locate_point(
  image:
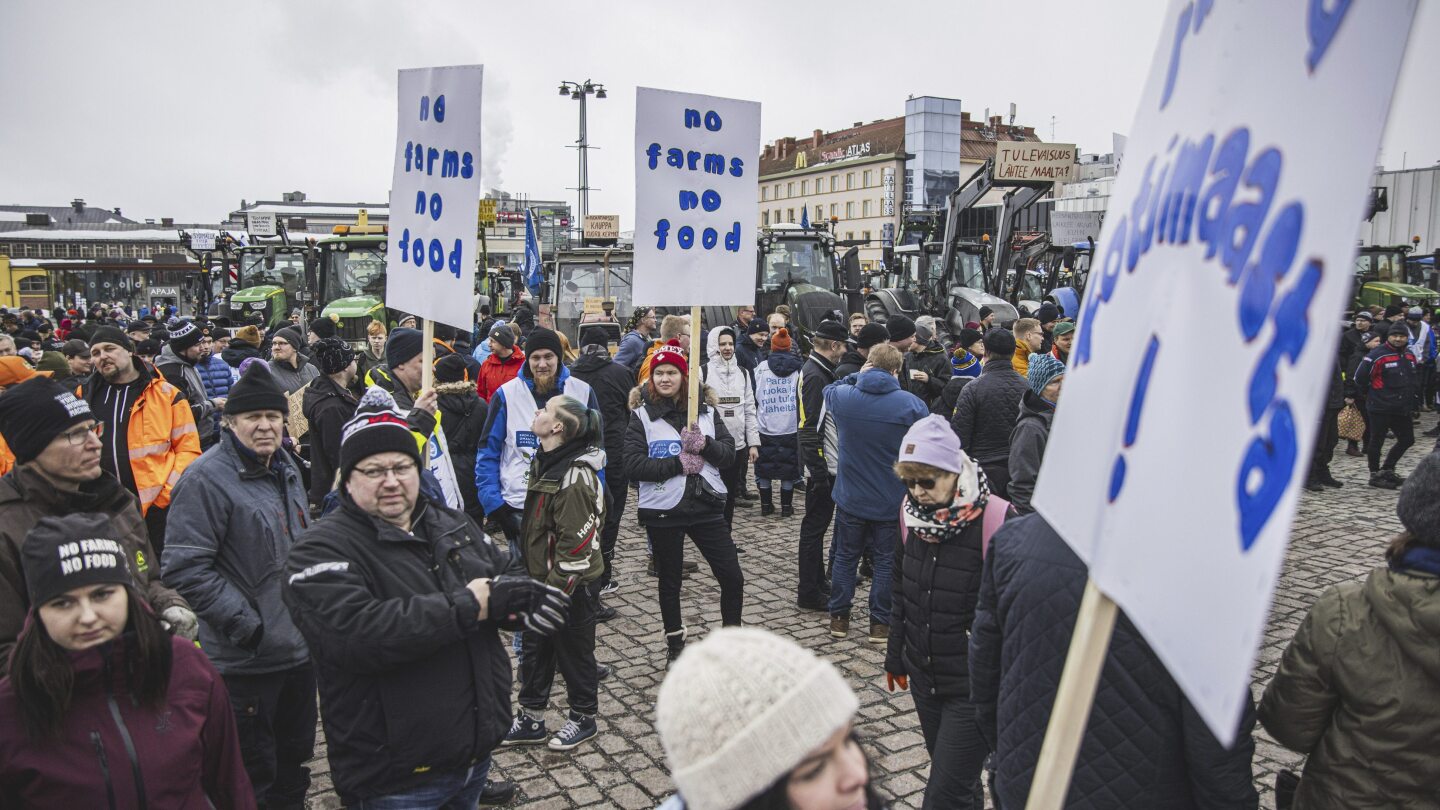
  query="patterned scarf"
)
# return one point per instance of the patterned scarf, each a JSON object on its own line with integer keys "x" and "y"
{"x": 940, "y": 524}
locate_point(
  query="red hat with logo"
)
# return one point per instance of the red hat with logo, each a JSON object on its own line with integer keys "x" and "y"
{"x": 670, "y": 354}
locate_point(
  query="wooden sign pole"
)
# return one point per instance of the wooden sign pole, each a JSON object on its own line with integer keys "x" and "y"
{"x": 693, "y": 409}
{"x": 1073, "y": 699}
{"x": 427, "y": 356}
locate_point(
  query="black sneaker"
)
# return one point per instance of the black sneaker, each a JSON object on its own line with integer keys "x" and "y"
{"x": 1379, "y": 481}
{"x": 497, "y": 792}
{"x": 525, "y": 730}
{"x": 605, "y": 613}
{"x": 1392, "y": 477}
{"x": 812, "y": 604}
{"x": 578, "y": 728}
{"x": 610, "y": 587}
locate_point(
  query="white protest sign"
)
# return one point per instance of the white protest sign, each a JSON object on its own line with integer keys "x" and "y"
{"x": 1026, "y": 162}
{"x": 695, "y": 191}
{"x": 435, "y": 195}
{"x": 1207, "y": 334}
{"x": 260, "y": 224}
{"x": 202, "y": 240}
{"x": 1069, "y": 227}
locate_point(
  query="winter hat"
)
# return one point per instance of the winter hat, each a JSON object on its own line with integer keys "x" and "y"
{"x": 670, "y": 354}
{"x": 524, "y": 316}
{"x": 1398, "y": 328}
{"x": 34, "y": 412}
{"x": 73, "y": 551}
{"x": 450, "y": 369}
{"x": 1047, "y": 313}
{"x": 1364, "y": 315}
{"x": 739, "y": 710}
{"x": 256, "y": 390}
{"x": 1064, "y": 328}
{"x": 757, "y": 327}
{"x": 1369, "y": 336}
{"x": 377, "y": 427}
{"x": 250, "y": 334}
{"x": 502, "y": 333}
{"x": 109, "y": 334}
{"x": 75, "y": 347}
{"x": 931, "y": 441}
{"x": 871, "y": 334}
{"x": 594, "y": 336}
{"x": 1044, "y": 368}
{"x": 831, "y": 330}
{"x": 402, "y": 345}
{"x": 1392, "y": 310}
{"x": 542, "y": 339}
{"x": 968, "y": 337}
{"x": 291, "y": 335}
{"x": 925, "y": 328}
{"x": 333, "y": 354}
{"x": 148, "y": 348}
{"x": 184, "y": 336}
{"x": 999, "y": 343}
{"x": 1418, "y": 508}
{"x": 323, "y": 328}
{"x": 899, "y": 327}
{"x": 1414, "y": 314}
{"x": 780, "y": 341}
{"x": 14, "y": 370}
{"x": 986, "y": 312}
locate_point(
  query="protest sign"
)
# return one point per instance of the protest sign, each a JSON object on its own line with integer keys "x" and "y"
{"x": 260, "y": 224}
{"x": 435, "y": 195}
{"x": 602, "y": 226}
{"x": 1027, "y": 162}
{"x": 202, "y": 240}
{"x": 1207, "y": 334}
{"x": 1069, "y": 227}
{"x": 695, "y": 191}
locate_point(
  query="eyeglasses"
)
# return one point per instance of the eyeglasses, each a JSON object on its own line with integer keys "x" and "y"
{"x": 923, "y": 483}
{"x": 76, "y": 437}
{"x": 401, "y": 471}
{"x": 274, "y": 343}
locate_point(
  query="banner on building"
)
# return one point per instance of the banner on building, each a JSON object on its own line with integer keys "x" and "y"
{"x": 435, "y": 195}
{"x": 1069, "y": 227}
{"x": 1208, "y": 329}
{"x": 695, "y": 191}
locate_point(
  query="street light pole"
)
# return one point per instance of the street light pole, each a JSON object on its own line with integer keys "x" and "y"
{"x": 578, "y": 91}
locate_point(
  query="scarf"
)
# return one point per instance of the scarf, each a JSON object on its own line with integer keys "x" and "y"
{"x": 941, "y": 524}
{"x": 1418, "y": 558}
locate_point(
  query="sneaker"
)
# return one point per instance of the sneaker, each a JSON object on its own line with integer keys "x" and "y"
{"x": 1390, "y": 475}
{"x": 578, "y": 729}
{"x": 602, "y": 671}
{"x": 525, "y": 730}
{"x": 839, "y": 626}
{"x": 497, "y": 792}
{"x": 1379, "y": 481}
{"x": 610, "y": 587}
{"x": 605, "y": 613}
{"x": 879, "y": 633}
{"x": 674, "y": 645}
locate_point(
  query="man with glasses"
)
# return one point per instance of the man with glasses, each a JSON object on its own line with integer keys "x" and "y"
{"x": 237, "y": 511}
{"x": 177, "y": 362}
{"x": 57, "y": 445}
{"x": 632, "y": 349}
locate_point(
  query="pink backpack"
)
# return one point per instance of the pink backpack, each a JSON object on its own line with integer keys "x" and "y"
{"x": 996, "y": 510}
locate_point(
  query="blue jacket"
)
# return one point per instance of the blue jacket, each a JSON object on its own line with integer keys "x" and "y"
{"x": 631, "y": 352}
{"x": 871, "y": 415}
{"x": 487, "y": 461}
{"x": 217, "y": 376}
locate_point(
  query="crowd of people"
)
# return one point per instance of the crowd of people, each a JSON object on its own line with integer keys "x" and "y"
{"x": 214, "y": 537}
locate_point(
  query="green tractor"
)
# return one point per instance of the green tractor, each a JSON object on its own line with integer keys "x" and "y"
{"x": 1380, "y": 279}
{"x": 272, "y": 282}
{"x": 352, "y": 278}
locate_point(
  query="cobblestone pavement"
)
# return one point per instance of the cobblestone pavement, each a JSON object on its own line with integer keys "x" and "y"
{"x": 1338, "y": 536}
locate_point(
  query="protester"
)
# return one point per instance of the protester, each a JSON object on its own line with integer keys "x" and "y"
{"x": 743, "y": 316}
{"x": 238, "y": 509}
{"x": 946, "y": 509}
{"x": 88, "y": 636}
{"x": 1030, "y": 590}
{"x": 462, "y": 418}
{"x": 1356, "y": 688}
{"x": 327, "y": 405}
{"x": 1422, "y": 345}
{"x": 674, "y": 331}
{"x": 752, "y": 721}
{"x": 927, "y": 364}
{"x": 1329, "y": 434}
{"x": 777, "y": 413}
{"x": 1368, "y": 342}
{"x": 966, "y": 361}
{"x": 413, "y": 679}
{"x": 503, "y": 364}
{"x": 7, "y": 346}
{"x": 986, "y": 411}
{"x": 1388, "y": 382}
{"x": 900, "y": 331}
{"x": 755, "y": 347}
{"x": 870, "y": 414}
{"x": 857, "y": 322}
{"x": 678, "y": 468}
{"x": 215, "y": 374}
{"x": 987, "y": 319}
{"x": 77, "y": 359}
{"x": 373, "y": 355}
{"x": 1048, "y": 315}
{"x": 611, "y": 383}
{"x": 1028, "y": 336}
{"x": 564, "y": 510}
{"x": 288, "y": 365}
{"x": 735, "y": 400}
{"x": 1032, "y": 429}
{"x": 177, "y": 362}
{"x": 243, "y": 346}
{"x": 404, "y": 362}
{"x": 1064, "y": 338}
{"x": 871, "y": 335}
{"x": 633, "y": 347}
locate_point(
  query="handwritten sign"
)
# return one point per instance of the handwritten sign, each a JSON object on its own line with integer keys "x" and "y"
{"x": 1025, "y": 162}
{"x": 1069, "y": 227}
{"x": 1228, "y": 247}
{"x": 202, "y": 240}
{"x": 695, "y": 187}
{"x": 602, "y": 226}
{"x": 487, "y": 212}
{"x": 435, "y": 195}
{"x": 260, "y": 224}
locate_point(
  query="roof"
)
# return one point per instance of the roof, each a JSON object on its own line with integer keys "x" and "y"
{"x": 93, "y": 235}
{"x": 300, "y": 209}
{"x": 67, "y": 215}
{"x": 883, "y": 138}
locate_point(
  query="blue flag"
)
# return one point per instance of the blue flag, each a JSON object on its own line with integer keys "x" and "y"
{"x": 531, "y": 267}
{"x": 804, "y": 217}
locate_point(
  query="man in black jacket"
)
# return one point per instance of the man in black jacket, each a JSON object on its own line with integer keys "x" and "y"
{"x": 1389, "y": 382}
{"x": 328, "y": 404}
{"x": 1144, "y": 746}
{"x": 987, "y": 409}
{"x": 827, "y": 347}
{"x": 400, "y": 599}
{"x": 871, "y": 335}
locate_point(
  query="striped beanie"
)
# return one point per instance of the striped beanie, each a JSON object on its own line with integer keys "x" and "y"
{"x": 1044, "y": 368}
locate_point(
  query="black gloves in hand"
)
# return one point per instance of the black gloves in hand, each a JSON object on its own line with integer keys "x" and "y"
{"x": 523, "y": 603}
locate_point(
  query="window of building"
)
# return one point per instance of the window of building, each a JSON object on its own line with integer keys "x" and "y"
{"x": 790, "y": 189}
{"x": 819, "y": 214}
{"x": 764, "y": 219}
{"x": 865, "y": 235}
{"x": 789, "y": 214}
{"x": 47, "y": 250}
{"x": 136, "y": 251}
{"x": 834, "y": 182}
{"x": 775, "y": 216}
{"x": 33, "y": 285}
{"x": 865, "y": 179}
{"x": 849, "y": 180}
{"x": 512, "y": 231}
{"x": 777, "y": 191}
{"x": 850, "y": 210}
{"x": 764, "y": 193}
{"x": 834, "y": 209}
{"x": 849, "y": 235}
{"x": 865, "y": 209}
{"x": 804, "y": 187}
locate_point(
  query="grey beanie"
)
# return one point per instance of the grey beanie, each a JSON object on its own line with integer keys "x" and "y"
{"x": 1419, "y": 504}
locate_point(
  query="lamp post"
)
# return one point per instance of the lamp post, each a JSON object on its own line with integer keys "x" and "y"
{"x": 578, "y": 91}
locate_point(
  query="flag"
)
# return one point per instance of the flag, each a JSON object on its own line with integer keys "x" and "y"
{"x": 531, "y": 267}
{"x": 804, "y": 217}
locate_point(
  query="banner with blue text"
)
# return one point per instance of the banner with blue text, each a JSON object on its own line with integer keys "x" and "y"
{"x": 1207, "y": 335}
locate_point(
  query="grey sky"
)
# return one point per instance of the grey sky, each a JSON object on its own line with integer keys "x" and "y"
{"x": 183, "y": 108}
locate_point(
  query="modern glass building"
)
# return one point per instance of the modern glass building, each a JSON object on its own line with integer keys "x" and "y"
{"x": 932, "y": 137}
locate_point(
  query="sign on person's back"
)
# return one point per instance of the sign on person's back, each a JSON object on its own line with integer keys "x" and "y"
{"x": 695, "y": 192}
{"x": 1207, "y": 334}
{"x": 435, "y": 195}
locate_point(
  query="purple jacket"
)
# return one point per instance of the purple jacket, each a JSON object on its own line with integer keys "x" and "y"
{"x": 111, "y": 752}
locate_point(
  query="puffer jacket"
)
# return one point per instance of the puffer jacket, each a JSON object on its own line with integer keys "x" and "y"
{"x": 1356, "y": 691}
{"x": 238, "y": 352}
{"x": 216, "y": 375}
{"x": 639, "y": 466}
{"x": 292, "y": 379}
{"x": 462, "y": 417}
{"x": 26, "y": 497}
{"x": 1027, "y": 449}
{"x": 327, "y": 407}
{"x": 113, "y": 752}
{"x": 186, "y": 376}
{"x": 734, "y": 393}
{"x": 564, "y": 513}
{"x": 412, "y": 682}
{"x": 230, "y": 528}
{"x": 495, "y": 372}
{"x": 816, "y": 374}
{"x": 1145, "y": 746}
{"x": 935, "y": 362}
{"x": 935, "y": 587}
{"x": 1389, "y": 380}
{"x": 869, "y": 415}
{"x": 987, "y": 409}
{"x": 779, "y": 458}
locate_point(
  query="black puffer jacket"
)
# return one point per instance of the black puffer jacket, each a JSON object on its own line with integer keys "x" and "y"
{"x": 814, "y": 376}
{"x": 986, "y": 410}
{"x": 1027, "y": 449}
{"x": 935, "y": 362}
{"x": 849, "y": 364}
{"x": 1144, "y": 746}
{"x": 327, "y": 407}
{"x": 933, "y": 606}
{"x": 639, "y": 466}
{"x": 412, "y": 682}
{"x": 238, "y": 352}
{"x": 611, "y": 383}
{"x": 462, "y": 417}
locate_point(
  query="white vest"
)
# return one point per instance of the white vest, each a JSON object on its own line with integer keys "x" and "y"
{"x": 520, "y": 442}
{"x": 664, "y": 442}
{"x": 1419, "y": 342}
{"x": 777, "y": 401}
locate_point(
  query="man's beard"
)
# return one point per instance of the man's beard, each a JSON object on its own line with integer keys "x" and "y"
{"x": 544, "y": 383}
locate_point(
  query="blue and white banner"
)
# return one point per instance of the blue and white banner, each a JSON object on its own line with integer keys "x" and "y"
{"x": 531, "y": 269}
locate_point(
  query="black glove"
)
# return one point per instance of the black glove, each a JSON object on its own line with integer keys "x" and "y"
{"x": 523, "y": 603}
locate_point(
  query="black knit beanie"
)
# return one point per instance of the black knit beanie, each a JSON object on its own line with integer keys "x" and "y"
{"x": 34, "y": 412}
{"x": 594, "y": 336}
{"x": 333, "y": 355}
{"x": 322, "y": 328}
{"x": 256, "y": 390}
{"x": 185, "y": 335}
{"x": 402, "y": 345}
{"x": 900, "y": 327}
{"x": 999, "y": 343}
{"x": 110, "y": 334}
{"x": 541, "y": 339}
{"x": 73, "y": 551}
{"x": 1419, "y": 505}
{"x": 450, "y": 369}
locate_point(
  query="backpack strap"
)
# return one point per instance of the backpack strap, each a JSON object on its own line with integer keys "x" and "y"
{"x": 996, "y": 510}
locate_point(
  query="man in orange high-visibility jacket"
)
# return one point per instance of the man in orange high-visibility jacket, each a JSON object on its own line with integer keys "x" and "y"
{"x": 150, "y": 436}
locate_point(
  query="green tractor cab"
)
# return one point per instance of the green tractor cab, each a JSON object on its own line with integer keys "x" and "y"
{"x": 1380, "y": 279}
{"x": 352, "y": 278}
{"x": 272, "y": 280}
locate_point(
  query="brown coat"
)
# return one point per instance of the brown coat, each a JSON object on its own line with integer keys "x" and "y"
{"x": 25, "y": 498}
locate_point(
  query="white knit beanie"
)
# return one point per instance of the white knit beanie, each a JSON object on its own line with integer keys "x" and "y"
{"x": 741, "y": 709}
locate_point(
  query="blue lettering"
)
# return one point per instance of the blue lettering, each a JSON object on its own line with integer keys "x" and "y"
{"x": 450, "y": 163}
{"x": 1215, "y": 203}
{"x": 712, "y": 121}
{"x": 1245, "y": 219}
{"x": 714, "y": 164}
{"x": 685, "y": 237}
{"x": 708, "y": 238}
{"x": 737, "y": 167}
{"x": 1271, "y": 460}
{"x": 1194, "y": 13}
{"x": 405, "y": 246}
{"x": 424, "y": 108}
{"x": 467, "y": 166}
{"x": 732, "y": 239}
{"x": 440, "y": 109}
{"x": 455, "y": 259}
{"x": 436, "y": 206}
{"x": 1321, "y": 25}
{"x": 1186, "y": 180}
{"x": 419, "y": 202}
{"x": 437, "y": 256}
{"x": 431, "y": 155}
{"x": 417, "y": 252}
{"x": 692, "y": 118}
{"x": 653, "y": 153}
{"x": 1257, "y": 284}
{"x": 1132, "y": 418}
{"x": 710, "y": 200}
{"x": 675, "y": 158}
{"x": 409, "y": 154}
{"x": 692, "y": 159}
{"x": 662, "y": 229}
{"x": 688, "y": 200}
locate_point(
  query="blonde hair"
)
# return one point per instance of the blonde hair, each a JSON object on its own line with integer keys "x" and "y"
{"x": 567, "y": 354}
{"x": 1026, "y": 327}
{"x": 375, "y": 329}
{"x": 674, "y": 326}
{"x": 886, "y": 357}
{"x": 859, "y": 315}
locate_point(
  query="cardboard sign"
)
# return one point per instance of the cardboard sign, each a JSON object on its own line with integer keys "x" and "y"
{"x": 435, "y": 194}
{"x": 695, "y": 192}
{"x": 260, "y": 224}
{"x": 487, "y": 212}
{"x": 602, "y": 226}
{"x": 1069, "y": 227}
{"x": 1207, "y": 335}
{"x": 1026, "y": 162}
